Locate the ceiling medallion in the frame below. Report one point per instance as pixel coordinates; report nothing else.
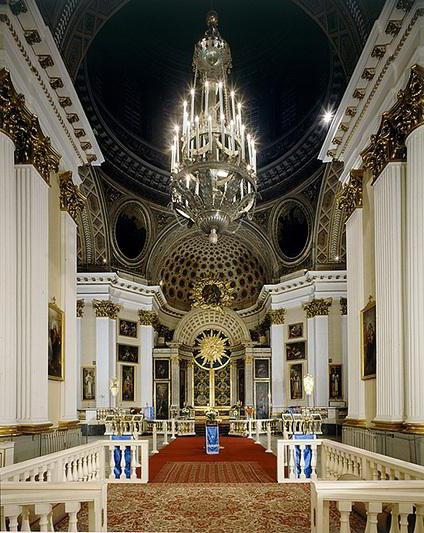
(213, 157)
(211, 350)
(212, 293)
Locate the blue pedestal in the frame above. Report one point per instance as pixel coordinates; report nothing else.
(212, 439)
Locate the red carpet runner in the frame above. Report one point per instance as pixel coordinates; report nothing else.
(259, 466)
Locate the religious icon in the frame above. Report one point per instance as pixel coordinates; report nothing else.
(262, 399)
(335, 382)
(161, 368)
(261, 368)
(295, 330)
(127, 353)
(128, 383)
(296, 383)
(127, 328)
(88, 383)
(295, 350)
(369, 341)
(55, 342)
(162, 400)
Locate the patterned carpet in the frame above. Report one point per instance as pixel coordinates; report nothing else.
(234, 472)
(211, 508)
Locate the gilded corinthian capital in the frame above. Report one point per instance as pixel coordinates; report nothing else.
(277, 316)
(350, 197)
(106, 309)
(318, 307)
(80, 308)
(147, 318)
(71, 199)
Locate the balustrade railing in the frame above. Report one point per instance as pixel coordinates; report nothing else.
(397, 503)
(250, 426)
(26, 505)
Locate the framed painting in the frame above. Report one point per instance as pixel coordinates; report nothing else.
(127, 328)
(128, 383)
(262, 399)
(335, 382)
(296, 381)
(56, 347)
(295, 330)
(161, 368)
(262, 368)
(369, 340)
(162, 400)
(296, 350)
(127, 353)
(88, 383)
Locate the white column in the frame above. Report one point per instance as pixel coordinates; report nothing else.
(68, 270)
(389, 191)
(278, 391)
(175, 378)
(7, 285)
(146, 365)
(190, 370)
(78, 360)
(248, 376)
(318, 358)
(105, 361)
(32, 296)
(355, 302)
(414, 320)
(345, 359)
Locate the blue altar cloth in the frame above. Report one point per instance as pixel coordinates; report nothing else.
(307, 455)
(212, 439)
(117, 454)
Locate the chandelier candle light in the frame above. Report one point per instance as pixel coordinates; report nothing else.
(213, 158)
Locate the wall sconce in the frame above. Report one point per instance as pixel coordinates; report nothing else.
(308, 385)
(114, 387)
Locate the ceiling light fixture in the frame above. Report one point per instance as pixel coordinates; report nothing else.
(328, 117)
(213, 158)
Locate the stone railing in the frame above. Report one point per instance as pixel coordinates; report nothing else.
(334, 461)
(60, 439)
(29, 504)
(7, 453)
(173, 426)
(300, 424)
(401, 503)
(250, 427)
(86, 463)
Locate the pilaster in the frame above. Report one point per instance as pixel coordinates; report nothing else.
(248, 376)
(175, 377)
(190, 376)
(147, 319)
(79, 315)
(345, 359)
(278, 392)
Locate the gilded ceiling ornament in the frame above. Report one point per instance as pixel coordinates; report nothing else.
(277, 316)
(388, 144)
(343, 306)
(350, 197)
(318, 307)
(106, 309)
(71, 199)
(31, 145)
(147, 318)
(80, 308)
(212, 292)
(212, 349)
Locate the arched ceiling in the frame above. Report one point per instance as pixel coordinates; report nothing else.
(132, 60)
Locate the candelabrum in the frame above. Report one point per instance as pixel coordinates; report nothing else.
(213, 157)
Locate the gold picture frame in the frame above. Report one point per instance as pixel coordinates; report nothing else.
(56, 342)
(369, 340)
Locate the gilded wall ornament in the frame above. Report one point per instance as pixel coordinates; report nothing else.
(318, 307)
(23, 127)
(277, 316)
(80, 308)
(106, 309)
(388, 144)
(350, 197)
(212, 292)
(343, 306)
(71, 199)
(147, 318)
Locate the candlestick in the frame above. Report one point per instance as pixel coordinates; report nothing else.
(233, 104)
(243, 148)
(222, 131)
(192, 105)
(197, 134)
(206, 98)
(232, 137)
(210, 132)
(221, 99)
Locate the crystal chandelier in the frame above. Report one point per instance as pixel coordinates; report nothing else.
(213, 157)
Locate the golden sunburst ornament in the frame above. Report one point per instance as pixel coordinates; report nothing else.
(212, 349)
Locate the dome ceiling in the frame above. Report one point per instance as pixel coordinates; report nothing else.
(138, 68)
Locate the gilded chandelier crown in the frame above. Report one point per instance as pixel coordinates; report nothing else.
(213, 157)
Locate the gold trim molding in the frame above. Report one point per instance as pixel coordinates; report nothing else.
(8, 431)
(350, 197)
(29, 429)
(318, 307)
(68, 424)
(71, 199)
(31, 145)
(277, 316)
(357, 423)
(388, 144)
(418, 429)
(387, 426)
(106, 309)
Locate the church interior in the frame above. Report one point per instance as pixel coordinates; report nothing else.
(212, 265)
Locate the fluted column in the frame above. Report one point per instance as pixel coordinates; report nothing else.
(278, 385)
(317, 315)
(8, 302)
(32, 298)
(190, 370)
(343, 310)
(106, 314)
(80, 314)
(146, 319)
(248, 376)
(355, 303)
(389, 194)
(175, 377)
(414, 320)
